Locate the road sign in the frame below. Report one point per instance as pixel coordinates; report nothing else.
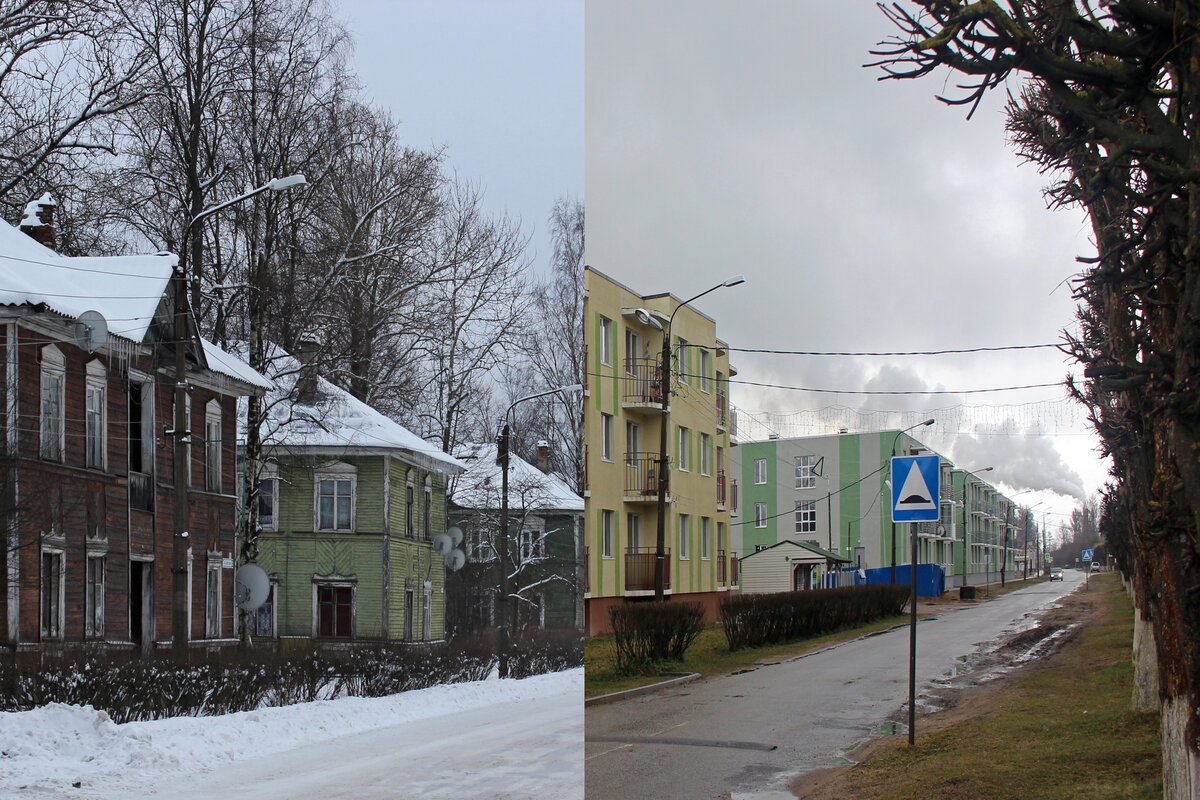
(915, 484)
(1087, 555)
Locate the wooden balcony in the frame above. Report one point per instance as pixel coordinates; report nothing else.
(639, 569)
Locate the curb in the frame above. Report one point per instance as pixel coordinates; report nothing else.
(614, 697)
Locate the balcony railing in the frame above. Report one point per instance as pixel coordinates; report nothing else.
(641, 475)
(721, 571)
(643, 381)
(720, 487)
(141, 491)
(722, 410)
(639, 568)
(733, 496)
(733, 569)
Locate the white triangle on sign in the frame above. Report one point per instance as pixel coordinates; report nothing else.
(914, 493)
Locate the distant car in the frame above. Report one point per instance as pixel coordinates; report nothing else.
(1056, 574)
(1095, 566)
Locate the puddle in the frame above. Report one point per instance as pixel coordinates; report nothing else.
(889, 728)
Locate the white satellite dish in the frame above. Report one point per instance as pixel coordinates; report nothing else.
(456, 559)
(456, 535)
(251, 586)
(442, 544)
(91, 331)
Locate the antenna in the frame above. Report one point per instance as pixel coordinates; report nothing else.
(456, 560)
(456, 535)
(91, 331)
(443, 544)
(251, 587)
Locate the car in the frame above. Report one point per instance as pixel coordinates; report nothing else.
(1095, 566)
(1056, 574)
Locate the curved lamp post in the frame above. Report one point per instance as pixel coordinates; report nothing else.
(660, 545)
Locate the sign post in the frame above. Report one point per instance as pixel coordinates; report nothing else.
(1087, 569)
(915, 490)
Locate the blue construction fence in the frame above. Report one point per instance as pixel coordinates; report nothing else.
(931, 578)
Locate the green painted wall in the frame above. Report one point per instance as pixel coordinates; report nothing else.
(753, 493)
(850, 497)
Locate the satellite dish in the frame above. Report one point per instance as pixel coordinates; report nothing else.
(442, 544)
(91, 331)
(456, 559)
(251, 586)
(456, 536)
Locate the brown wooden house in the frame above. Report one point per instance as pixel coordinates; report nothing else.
(88, 456)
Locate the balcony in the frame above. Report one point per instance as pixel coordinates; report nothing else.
(641, 478)
(733, 569)
(141, 491)
(722, 412)
(720, 490)
(733, 497)
(639, 569)
(642, 386)
(721, 568)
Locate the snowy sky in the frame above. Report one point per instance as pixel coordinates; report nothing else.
(726, 138)
(499, 83)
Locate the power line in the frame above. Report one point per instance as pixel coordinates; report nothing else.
(893, 353)
(894, 392)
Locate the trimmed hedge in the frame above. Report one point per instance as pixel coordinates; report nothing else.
(647, 633)
(754, 620)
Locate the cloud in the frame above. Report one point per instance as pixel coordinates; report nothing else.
(1022, 462)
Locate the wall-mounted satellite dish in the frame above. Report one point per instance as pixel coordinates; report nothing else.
(91, 331)
(442, 544)
(456, 536)
(251, 586)
(456, 559)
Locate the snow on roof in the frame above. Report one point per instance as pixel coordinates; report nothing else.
(335, 419)
(528, 487)
(234, 367)
(126, 290)
(30, 218)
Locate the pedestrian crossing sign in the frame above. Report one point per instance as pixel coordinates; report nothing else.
(915, 488)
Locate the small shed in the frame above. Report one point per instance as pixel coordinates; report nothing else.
(790, 565)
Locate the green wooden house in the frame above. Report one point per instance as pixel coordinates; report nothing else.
(348, 504)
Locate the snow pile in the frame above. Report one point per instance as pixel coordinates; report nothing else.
(52, 750)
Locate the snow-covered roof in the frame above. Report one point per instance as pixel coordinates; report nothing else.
(234, 367)
(335, 419)
(528, 487)
(126, 290)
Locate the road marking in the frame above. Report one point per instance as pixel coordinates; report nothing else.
(631, 740)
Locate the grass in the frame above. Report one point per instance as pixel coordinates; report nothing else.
(1065, 730)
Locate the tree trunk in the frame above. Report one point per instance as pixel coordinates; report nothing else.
(1181, 765)
(1145, 664)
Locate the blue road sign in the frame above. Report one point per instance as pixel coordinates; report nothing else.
(915, 485)
(1087, 555)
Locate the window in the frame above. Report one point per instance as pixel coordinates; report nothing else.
(606, 534)
(632, 349)
(683, 452)
(93, 623)
(212, 599)
(758, 548)
(335, 502)
(681, 359)
(335, 610)
(95, 417)
(479, 547)
(409, 502)
(760, 471)
(428, 516)
(806, 477)
(705, 447)
(760, 515)
(427, 617)
(606, 341)
(685, 535)
(721, 537)
(633, 439)
(51, 594)
(212, 446)
(606, 437)
(806, 516)
(705, 538)
(635, 530)
(54, 376)
(533, 545)
(141, 443)
(268, 499)
(705, 368)
(262, 619)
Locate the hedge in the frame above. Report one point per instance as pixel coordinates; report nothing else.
(754, 620)
(650, 632)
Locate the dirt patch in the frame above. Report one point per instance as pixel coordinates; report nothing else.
(976, 693)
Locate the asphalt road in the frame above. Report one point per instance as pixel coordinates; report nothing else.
(747, 734)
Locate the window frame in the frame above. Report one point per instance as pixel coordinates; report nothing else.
(607, 533)
(705, 459)
(52, 588)
(706, 538)
(213, 472)
(760, 472)
(685, 537)
(95, 438)
(51, 400)
(606, 342)
(336, 586)
(760, 519)
(805, 477)
(683, 448)
(335, 472)
(95, 583)
(212, 597)
(681, 360)
(806, 516)
(705, 366)
(273, 494)
(606, 437)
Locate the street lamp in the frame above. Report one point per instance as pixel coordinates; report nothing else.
(182, 432)
(660, 545)
(896, 439)
(503, 457)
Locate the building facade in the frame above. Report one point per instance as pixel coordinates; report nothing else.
(623, 422)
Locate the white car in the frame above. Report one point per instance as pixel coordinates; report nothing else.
(1056, 574)
(1095, 566)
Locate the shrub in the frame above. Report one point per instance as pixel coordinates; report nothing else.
(648, 633)
(753, 620)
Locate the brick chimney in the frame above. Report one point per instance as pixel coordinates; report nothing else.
(543, 456)
(38, 221)
(306, 384)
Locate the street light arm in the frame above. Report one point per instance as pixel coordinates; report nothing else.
(274, 185)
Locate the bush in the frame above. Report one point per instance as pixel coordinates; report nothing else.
(753, 620)
(648, 633)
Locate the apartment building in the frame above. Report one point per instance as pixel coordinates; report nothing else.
(623, 421)
(833, 492)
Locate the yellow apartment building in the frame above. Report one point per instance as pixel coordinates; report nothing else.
(623, 418)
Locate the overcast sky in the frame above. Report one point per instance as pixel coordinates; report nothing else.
(746, 137)
(499, 83)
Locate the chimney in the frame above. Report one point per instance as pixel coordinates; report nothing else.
(38, 221)
(306, 384)
(543, 453)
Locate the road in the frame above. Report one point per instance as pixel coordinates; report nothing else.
(748, 733)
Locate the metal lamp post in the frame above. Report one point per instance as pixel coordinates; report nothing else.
(660, 545)
(896, 439)
(182, 431)
(502, 455)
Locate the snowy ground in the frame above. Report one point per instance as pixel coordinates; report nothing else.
(505, 740)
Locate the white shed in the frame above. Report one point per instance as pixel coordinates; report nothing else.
(790, 565)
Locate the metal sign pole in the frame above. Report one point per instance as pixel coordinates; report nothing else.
(912, 638)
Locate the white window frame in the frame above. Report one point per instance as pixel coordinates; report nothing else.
(760, 471)
(806, 516)
(685, 536)
(760, 515)
(335, 472)
(427, 612)
(705, 366)
(633, 524)
(271, 483)
(95, 583)
(681, 360)
(212, 447)
(58, 588)
(805, 477)
(187, 416)
(427, 512)
(51, 397)
(95, 405)
(683, 448)
(606, 437)
(705, 539)
(705, 447)
(410, 506)
(533, 545)
(606, 342)
(212, 597)
(334, 582)
(270, 608)
(607, 523)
